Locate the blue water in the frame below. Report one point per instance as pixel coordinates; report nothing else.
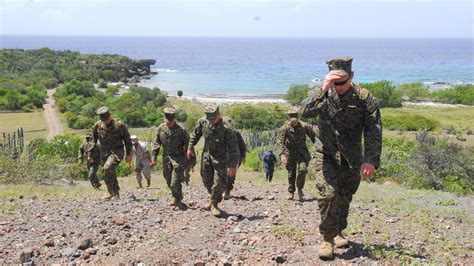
(257, 66)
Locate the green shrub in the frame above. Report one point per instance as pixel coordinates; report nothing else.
(65, 147)
(415, 90)
(386, 93)
(247, 116)
(252, 160)
(297, 93)
(461, 94)
(408, 122)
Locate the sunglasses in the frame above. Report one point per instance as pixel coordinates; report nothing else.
(341, 83)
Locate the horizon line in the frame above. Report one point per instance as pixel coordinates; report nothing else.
(246, 37)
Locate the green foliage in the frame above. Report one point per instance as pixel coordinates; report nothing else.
(252, 160)
(409, 122)
(65, 147)
(447, 202)
(461, 94)
(415, 90)
(386, 93)
(111, 90)
(180, 93)
(181, 115)
(246, 116)
(102, 84)
(297, 93)
(25, 75)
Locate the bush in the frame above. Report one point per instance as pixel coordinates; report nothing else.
(102, 84)
(408, 122)
(65, 147)
(252, 160)
(297, 93)
(246, 116)
(415, 90)
(462, 94)
(386, 93)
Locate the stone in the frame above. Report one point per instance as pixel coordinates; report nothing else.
(68, 252)
(48, 243)
(120, 219)
(237, 230)
(26, 255)
(280, 259)
(112, 241)
(91, 251)
(85, 244)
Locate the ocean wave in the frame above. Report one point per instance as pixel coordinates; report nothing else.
(164, 70)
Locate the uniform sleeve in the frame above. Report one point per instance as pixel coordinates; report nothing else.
(282, 151)
(311, 132)
(126, 140)
(241, 143)
(232, 148)
(311, 106)
(95, 137)
(195, 135)
(186, 140)
(156, 144)
(372, 132)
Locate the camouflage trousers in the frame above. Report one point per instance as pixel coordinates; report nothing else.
(297, 170)
(336, 182)
(142, 167)
(229, 183)
(110, 176)
(173, 172)
(92, 175)
(214, 177)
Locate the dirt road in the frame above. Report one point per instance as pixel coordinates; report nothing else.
(55, 126)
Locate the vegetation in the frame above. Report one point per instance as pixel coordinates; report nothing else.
(462, 94)
(138, 107)
(410, 122)
(25, 75)
(255, 117)
(386, 93)
(297, 93)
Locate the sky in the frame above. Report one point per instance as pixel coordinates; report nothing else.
(239, 18)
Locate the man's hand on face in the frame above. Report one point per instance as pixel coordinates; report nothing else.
(284, 160)
(331, 77)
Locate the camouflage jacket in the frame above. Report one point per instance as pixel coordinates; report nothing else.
(291, 141)
(342, 121)
(112, 138)
(219, 142)
(173, 140)
(141, 152)
(91, 150)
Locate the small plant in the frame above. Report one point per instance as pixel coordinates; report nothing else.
(447, 202)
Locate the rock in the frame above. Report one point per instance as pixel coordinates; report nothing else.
(158, 220)
(393, 219)
(237, 230)
(48, 243)
(279, 259)
(91, 251)
(120, 219)
(271, 198)
(85, 244)
(103, 231)
(86, 255)
(111, 241)
(25, 255)
(68, 252)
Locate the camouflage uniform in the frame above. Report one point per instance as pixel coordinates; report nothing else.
(291, 144)
(113, 138)
(93, 149)
(342, 121)
(174, 142)
(242, 151)
(220, 152)
(142, 161)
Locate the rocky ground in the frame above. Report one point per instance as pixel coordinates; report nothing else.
(65, 224)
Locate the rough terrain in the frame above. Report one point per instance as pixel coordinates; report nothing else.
(62, 224)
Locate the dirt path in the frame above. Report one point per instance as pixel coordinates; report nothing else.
(55, 126)
(387, 224)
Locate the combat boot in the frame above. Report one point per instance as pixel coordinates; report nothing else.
(227, 195)
(326, 249)
(148, 183)
(139, 185)
(172, 202)
(208, 205)
(215, 209)
(107, 196)
(116, 196)
(340, 241)
(178, 205)
(300, 195)
(290, 196)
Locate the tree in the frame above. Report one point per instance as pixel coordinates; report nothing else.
(297, 93)
(386, 93)
(180, 93)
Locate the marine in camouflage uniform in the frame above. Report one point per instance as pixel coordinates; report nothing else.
(113, 136)
(242, 151)
(174, 139)
(346, 111)
(142, 162)
(93, 164)
(293, 152)
(220, 152)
